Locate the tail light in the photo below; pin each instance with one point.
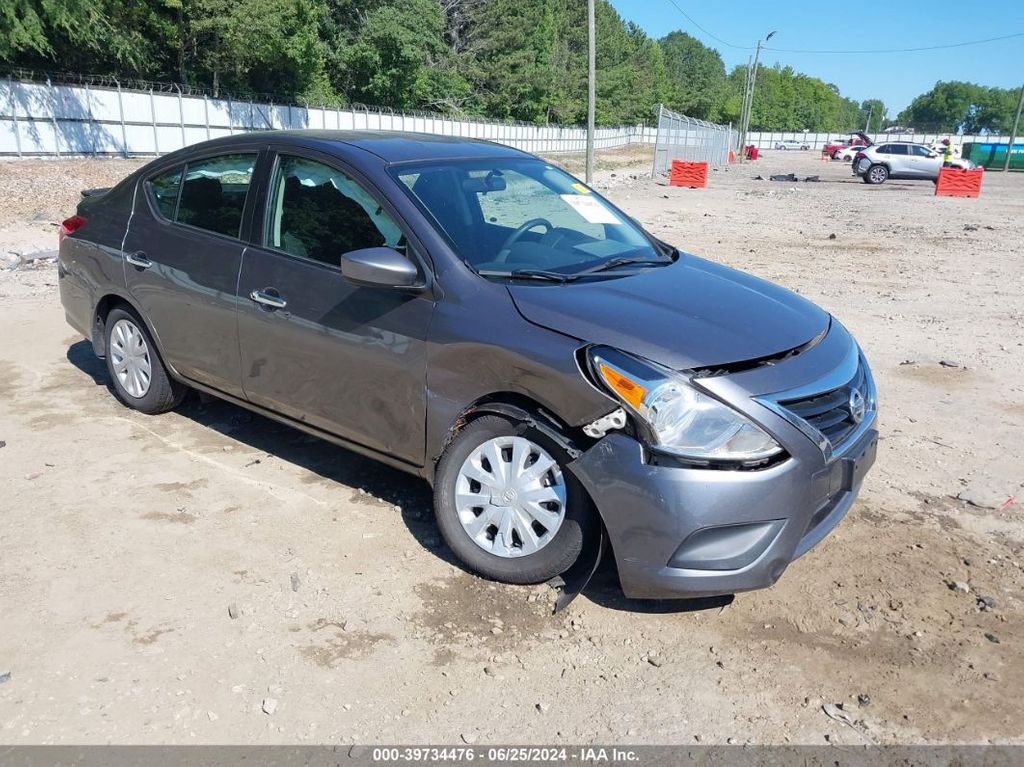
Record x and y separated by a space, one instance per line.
70 226
859 156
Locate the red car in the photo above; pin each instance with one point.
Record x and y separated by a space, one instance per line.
854 139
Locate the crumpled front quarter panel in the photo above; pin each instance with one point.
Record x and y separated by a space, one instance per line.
481 346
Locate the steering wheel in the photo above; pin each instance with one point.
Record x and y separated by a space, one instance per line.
513 238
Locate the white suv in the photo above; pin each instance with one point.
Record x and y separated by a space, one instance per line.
899 159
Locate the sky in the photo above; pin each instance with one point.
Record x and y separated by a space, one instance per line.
895 78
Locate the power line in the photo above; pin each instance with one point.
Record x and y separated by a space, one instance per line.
902 50
877 50
713 37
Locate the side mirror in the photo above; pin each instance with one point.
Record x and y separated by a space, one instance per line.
378 268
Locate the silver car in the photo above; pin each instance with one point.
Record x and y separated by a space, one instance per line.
899 159
791 144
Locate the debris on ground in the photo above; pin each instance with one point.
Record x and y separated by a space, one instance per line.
949 364
835 711
5 677
986 603
984 491
232 611
269 705
295 581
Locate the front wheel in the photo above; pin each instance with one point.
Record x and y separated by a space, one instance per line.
877 174
507 506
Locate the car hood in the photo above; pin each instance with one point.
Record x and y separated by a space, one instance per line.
692 314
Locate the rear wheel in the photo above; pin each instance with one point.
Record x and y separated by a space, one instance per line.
136 371
877 174
506 505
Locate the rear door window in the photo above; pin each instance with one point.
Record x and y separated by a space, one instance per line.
897 149
213 193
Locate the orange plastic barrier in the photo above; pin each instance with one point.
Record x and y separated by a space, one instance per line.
957 182
691 174
732 156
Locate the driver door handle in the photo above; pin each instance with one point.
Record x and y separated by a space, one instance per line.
268 299
138 259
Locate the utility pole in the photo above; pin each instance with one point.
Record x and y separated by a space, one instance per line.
591 89
1013 131
743 110
871 111
749 101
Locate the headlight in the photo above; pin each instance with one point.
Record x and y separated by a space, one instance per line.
679 418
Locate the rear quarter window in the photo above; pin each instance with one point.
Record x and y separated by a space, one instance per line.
163 190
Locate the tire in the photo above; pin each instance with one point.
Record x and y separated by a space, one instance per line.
126 331
876 174
452 487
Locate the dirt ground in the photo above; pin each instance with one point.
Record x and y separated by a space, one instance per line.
128 542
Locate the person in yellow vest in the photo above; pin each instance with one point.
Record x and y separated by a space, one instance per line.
947 153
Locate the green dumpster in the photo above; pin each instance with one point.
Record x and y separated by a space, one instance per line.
992 156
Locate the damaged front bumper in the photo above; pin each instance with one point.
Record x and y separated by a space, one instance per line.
681 532
684 531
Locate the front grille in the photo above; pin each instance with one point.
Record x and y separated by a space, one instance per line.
830 412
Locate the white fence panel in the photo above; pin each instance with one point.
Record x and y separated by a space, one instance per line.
39 119
817 141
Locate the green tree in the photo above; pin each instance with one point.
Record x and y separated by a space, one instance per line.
395 55
696 78
786 100
524 58
79 35
955 106
873 114
268 46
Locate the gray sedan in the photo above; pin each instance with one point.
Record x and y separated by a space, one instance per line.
477 317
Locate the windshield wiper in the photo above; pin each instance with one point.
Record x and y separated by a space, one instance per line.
529 274
615 263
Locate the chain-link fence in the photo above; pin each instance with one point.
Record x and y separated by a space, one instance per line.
686 138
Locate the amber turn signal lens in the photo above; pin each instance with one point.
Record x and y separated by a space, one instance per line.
626 388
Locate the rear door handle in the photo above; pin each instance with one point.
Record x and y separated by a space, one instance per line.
273 300
138 258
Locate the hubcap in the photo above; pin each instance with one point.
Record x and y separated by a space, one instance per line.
510 496
129 356
878 175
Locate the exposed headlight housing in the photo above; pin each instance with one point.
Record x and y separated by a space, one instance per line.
679 418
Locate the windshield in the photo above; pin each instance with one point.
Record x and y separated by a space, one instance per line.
518 218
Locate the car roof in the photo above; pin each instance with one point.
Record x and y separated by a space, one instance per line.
389 146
